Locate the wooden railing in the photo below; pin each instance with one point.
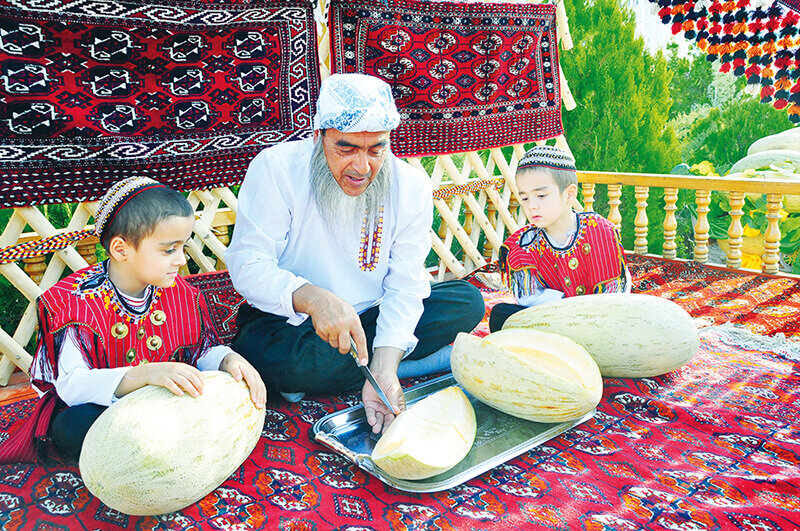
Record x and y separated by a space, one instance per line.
737 188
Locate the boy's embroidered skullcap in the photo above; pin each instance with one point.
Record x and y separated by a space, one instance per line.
547 157
356 103
115 198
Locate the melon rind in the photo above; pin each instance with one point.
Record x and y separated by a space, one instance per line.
629 335
529 374
153 452
429 438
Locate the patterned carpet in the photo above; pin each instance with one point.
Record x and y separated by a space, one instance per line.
713 445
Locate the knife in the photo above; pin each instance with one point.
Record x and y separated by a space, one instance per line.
370 377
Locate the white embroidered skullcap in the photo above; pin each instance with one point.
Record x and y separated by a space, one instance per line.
547 157
116 197
356 103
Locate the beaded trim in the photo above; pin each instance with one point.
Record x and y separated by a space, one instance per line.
115 197
375 248
44 246
457 189
95 283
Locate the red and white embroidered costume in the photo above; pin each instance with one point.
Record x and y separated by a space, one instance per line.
84 316
592 261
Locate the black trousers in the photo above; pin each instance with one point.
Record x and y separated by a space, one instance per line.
69 426
501 312
294 358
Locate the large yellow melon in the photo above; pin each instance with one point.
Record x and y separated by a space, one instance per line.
153 452
533 375
627 334
430 437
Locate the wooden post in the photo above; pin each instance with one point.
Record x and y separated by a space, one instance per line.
701 227
670 223
87 249
614 215
588 197
640 221
34 267
735 230
772 236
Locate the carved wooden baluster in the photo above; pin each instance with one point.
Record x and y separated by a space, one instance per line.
614 215
223 235
640 221
491 213
35 267
735 230
701 227
588 197
87 248
442 232
670 223
772 236
468 222
513 207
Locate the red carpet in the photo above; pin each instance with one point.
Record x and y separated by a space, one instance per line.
714 445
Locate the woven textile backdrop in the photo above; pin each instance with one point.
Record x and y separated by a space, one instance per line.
757 39
183 91
465 75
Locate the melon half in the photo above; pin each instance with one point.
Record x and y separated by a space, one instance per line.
533 375
430 437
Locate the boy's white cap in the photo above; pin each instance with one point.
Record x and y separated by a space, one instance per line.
356 103
116 196
547 157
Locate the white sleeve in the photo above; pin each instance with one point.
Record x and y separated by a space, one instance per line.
77 383
405 284
211 360
261 233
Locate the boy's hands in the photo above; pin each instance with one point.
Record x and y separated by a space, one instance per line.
239 368
175 376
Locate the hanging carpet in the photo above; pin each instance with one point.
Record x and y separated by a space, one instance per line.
182 91
757 39
465 75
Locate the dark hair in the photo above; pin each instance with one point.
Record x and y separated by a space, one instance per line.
139 217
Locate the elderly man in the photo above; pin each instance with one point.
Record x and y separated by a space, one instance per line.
330 242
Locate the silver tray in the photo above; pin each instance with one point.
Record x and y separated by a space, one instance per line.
500 437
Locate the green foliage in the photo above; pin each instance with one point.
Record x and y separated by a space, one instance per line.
713 118
723 136
622 93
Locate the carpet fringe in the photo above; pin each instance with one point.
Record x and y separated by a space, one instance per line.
741 336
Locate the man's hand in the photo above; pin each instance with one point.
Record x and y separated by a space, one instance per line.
334 320
238 367
384 367
175 376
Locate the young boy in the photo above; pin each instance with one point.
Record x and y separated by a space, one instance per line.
130 321
561 253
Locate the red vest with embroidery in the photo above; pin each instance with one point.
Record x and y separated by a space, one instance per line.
168 331
593 263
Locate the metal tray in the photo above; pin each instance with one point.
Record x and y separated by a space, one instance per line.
500 437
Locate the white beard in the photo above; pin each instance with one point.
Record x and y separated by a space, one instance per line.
342 214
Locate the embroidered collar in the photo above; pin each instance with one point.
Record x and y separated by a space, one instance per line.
535 234
95 283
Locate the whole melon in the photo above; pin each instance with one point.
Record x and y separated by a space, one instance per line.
430 437
153 452
788 139
529 374
628 334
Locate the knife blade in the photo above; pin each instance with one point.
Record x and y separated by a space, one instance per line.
370 377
